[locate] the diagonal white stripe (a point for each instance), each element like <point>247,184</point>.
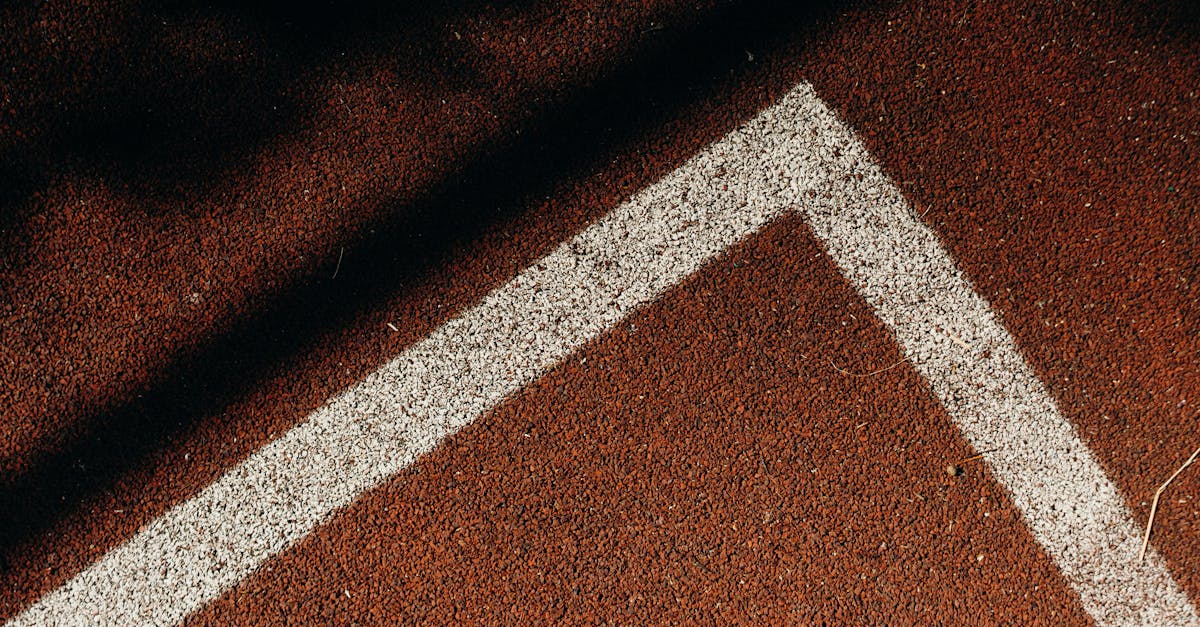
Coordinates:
<point>202,547</point>
<point>952,337</point>
<point>795,154</point>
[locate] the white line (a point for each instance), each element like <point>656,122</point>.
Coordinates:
<point>795,154</point>
<point>200,548</point>
<point>952,337</point>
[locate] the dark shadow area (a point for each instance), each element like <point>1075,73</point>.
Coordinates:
<point>168,100</point>
<point>1177,22</point>
<point>672,70</point>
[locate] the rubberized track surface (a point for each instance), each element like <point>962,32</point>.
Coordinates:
<point>215,220</point>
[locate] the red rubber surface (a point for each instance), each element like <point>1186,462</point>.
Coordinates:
<point>703,460</point>
<point>184,182</point>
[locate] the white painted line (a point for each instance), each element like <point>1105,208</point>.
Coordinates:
<point>952,337</point>
<point>200,548</point>
<point>795,154</point>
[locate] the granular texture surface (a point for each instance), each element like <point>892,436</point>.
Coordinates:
<point>214,218</point>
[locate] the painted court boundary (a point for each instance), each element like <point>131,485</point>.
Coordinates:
<point>795,155</point>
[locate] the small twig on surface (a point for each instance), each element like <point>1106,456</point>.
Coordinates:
<point>979,456</point>
<point>339,264</point>
<point>958,340</point>
<point>1154,505</point>
<point>866,374</point>
<point>956,469</point>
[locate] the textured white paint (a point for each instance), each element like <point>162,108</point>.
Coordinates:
<point>794,155</point>
<point>954,339</point>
